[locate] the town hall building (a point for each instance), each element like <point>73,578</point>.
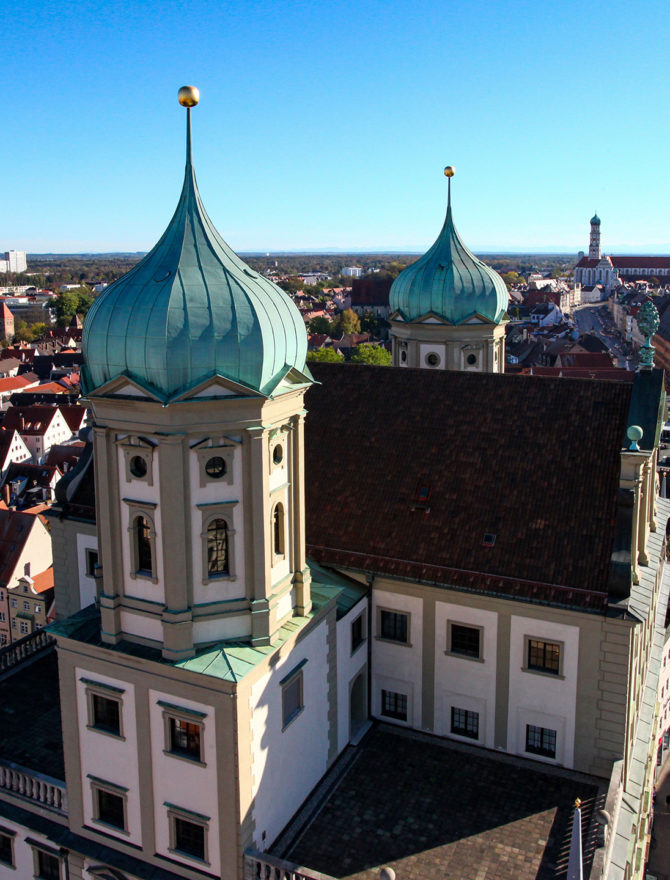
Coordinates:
<point>253,562</point>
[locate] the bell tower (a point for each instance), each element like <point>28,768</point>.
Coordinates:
<point>195,374</point>
<point>594,239</point>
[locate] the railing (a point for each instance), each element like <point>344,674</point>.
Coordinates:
<point>17,652</point>
<point>33,786</point>
<point>261,866</point>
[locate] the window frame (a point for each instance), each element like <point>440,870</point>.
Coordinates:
<point>278,522</point>
<point>111,788</point>
<point>146,452</point>
<point>146,510</point>
<point>89,569</point>
<point>544,670</point>
<point>479,657</point>
<point>10,836</point>
<point>541,752</point>
<point>381,610</point>
<point>294,678</point>
<point>463,732</point>
<point>175,813</point>
<point>362,617</point>
<point>171,713</point>
<point>39,849</point>
<point>227,453</point>
<point>394,715</point>
<point>224,510</point>
<point>107,692</point>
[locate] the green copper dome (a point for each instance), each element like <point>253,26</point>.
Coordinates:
<point>595,220</point>
<point>450,282</point>
<point>190,310</point>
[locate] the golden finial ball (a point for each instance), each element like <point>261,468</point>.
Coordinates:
<point>449,171</point>
<point>188,96</point>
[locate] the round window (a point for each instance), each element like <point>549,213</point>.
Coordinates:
<point>215,467</point>
<point>433,359</point>
<point>403,356</point>
<point>472,359</point>
<point>278,454</point>
<point>138,466</point>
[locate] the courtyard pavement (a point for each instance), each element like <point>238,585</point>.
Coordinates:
<point>435,810</point>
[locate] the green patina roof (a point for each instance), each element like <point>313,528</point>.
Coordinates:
<point>595,220</point>
<point>450,282</point>
<point>192,309</point>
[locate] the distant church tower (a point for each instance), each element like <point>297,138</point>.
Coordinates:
<point>448,309</point>
<point>594,240</point>
<point>195,374</point>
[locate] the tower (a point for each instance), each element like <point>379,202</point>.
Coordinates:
<point>448,308</point>
<point>195,375</point>
<point>594,238</point>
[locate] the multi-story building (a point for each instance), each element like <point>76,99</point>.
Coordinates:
<point>610,271</point>
<point>14,261</point>
<point>488,566</point>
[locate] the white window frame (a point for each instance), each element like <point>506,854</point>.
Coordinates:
<point>192,716</point>
<point>175,812</point>
<point>98,785</point>
<point>107,692</point>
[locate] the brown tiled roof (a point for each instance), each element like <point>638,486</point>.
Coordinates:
<point>15,528</point>
<point>74,415</point>
<point>29,419</point>
<point>640,262</point>
<point>586,360</point>
<point>428,463</point>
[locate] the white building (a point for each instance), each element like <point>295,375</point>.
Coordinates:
<point>14,261</point>
<point>352,271</point>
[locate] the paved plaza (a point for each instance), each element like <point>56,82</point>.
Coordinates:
<point>434,810</point>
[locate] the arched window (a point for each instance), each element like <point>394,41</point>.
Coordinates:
<point>217,547</point>
<point>143,554</point>
<point>278,529</point>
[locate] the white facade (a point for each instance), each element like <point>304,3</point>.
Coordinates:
<point>352,271</point>
<point>14,261</point>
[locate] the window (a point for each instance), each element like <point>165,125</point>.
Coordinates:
<point>47,866</point>
<point>394,705</point>
<point>394,626</point>
<point>278,529</point>
<point>24,627</point>
<point>38,608</point>
<point>91,562</point>
<point>13,623</point>
<point>544,656</point>
<point>14,603</point>
<point>358,632</point>
<point>106,714</point>
<point>26,606</point>
<point>215,467</point>
<point>217,548</point>
<point>110,807</point>
<point>433,359</point>
<point>3,616</point>
<point>142,533</point>
<point>465,723</point>
<point>138,462</point>
<point>184,738</point>
<point>188,837</point>
<point>138,467</point>
<point>278,454</point>
<point>292,695</point>
<point>471,359</point>
<point>3,639</point>
<point>464,640</point>
<point>7,848</point>
<point>541,741</point>
<point>215,464</point>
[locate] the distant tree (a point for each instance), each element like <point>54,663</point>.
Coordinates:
<point>22,332</point>
<point>348,322</point>
<point>325,355</point>
<point>366,353</point>
<point>373,324</point>
<point>320,325</point>
<point>38,330</point>
<point>290,285</point>
<point>511,278</point>
<point>70,303</point>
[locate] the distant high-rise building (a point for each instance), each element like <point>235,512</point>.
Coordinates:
<point>14,261</point>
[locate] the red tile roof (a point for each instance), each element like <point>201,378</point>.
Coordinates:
<point>639,262</point>
<point>43,581</point>
<point>472,444</point>
<point>74,415</point>
<point>29,419</point>
<point>15,528</point>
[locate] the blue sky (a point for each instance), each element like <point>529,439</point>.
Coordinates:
<point>327,125</point>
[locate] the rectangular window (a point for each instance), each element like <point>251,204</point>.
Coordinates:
<point>2,616</point>
<point>292,702</point>
<point>38,608</point>
<point>465,723</point>
<point>26,606</point>
<point>184,738</point>
<point>91,562</point>
<point>464,640</point>
<point>3,638</point>
<point>394,705</point>
<point>105,714</point>
<point>7,849</point>
<point>541,741</point>
<point>358,632</point>
<point>14,603</point>
<point>110,808</point>
<point>394,626</point>
<point>47,866</point>
<point>13,623</point>
<point>24,627</point>
<point>544,656</point>
<point>188,833</point>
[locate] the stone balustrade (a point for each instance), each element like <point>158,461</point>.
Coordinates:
<point>261,866</point>
<point>14,654</point>
<point>32,786</point>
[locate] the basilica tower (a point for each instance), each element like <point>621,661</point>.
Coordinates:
<point>195,374</point>
<point>448,308</point>
<point>594,238</point>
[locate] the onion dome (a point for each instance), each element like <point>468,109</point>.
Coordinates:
<point>595,220</point>
<point>191,310</point>
<point>449,282</point>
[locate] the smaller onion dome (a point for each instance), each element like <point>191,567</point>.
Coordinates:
<point>595,220</point>
<point>192,310</point>
<point>449,281</point>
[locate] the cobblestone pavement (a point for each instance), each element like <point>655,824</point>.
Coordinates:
<point>435,812</point>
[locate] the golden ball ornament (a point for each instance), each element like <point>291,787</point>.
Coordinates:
<point>188,96</point>
<point>449,171</point>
